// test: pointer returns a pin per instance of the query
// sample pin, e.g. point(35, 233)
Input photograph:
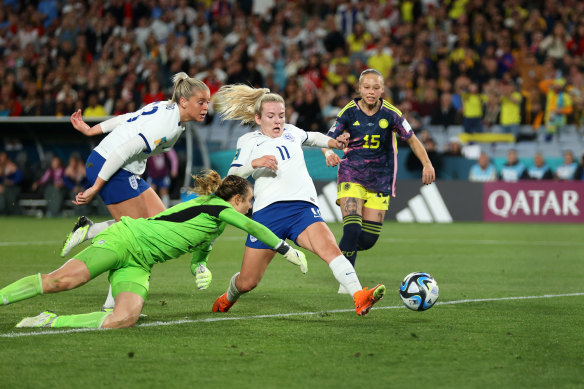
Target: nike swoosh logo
point(350, 273)
point(261, 143)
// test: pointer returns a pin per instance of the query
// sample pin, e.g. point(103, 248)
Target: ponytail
point(185, 86)
point(242, 102)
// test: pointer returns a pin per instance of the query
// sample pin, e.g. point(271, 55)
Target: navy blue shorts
point(122, 186)
point(163, 182)
point(286, 219)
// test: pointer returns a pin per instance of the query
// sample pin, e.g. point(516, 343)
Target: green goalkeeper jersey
point(191, 226)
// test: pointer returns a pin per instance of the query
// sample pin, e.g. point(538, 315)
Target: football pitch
point(510, 314)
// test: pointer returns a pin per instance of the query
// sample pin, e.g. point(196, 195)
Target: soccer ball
point(419, 291)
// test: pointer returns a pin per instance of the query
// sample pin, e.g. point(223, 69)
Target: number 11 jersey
point(291, 182)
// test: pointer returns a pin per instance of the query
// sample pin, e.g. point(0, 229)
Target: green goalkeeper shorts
point(125, 274)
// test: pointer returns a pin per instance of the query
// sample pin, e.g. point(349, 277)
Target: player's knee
point(246, 284)
point(367, 240)
point(121, 320)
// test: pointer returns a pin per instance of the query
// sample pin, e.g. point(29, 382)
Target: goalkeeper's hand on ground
point(203, 277)
point(292, 255)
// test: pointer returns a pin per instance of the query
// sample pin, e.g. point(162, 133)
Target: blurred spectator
point(558, 105)
point(579, 173)
point(313, 73)
point(533, 108)
point(555, 45)
point(380, 56)
point(454, 147)
point(513, 170)
point(510, 108)
point(567, 170)
point(252, 75)
point(54, 187)
point(358, 41)
point(75, 180)
point(50, 11)
point(160, 170)
point(340, 71)
point(9, 104)
point(483, 170)
point(334, 38)
point(472, 109)
point(379, 20)
point(48, 105)
point(539, 170)
point(66, 92)
point(576, 44)
point(109, 100)
point(309, 112)
point(445, 114)
point(428, 103)
point(530, 71)
point(492, 104)
point(153, 93)
point(10, 178)
point(94, 109)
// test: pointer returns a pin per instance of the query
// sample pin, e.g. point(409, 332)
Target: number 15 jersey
point(291, 182)
point(371, 156)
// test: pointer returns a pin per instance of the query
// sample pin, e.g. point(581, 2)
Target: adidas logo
point(427, 207)
point(356, 123)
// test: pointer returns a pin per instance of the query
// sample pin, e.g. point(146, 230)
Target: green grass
point(503, 343)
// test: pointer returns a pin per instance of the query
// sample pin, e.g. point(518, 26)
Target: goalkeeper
point(130, 248)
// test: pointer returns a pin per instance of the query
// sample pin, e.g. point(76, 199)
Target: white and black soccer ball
point(419, 291)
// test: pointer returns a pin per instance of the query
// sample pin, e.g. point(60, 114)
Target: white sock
point(232, 292)
point(96, 228)
point(165, 200)
point(345, 273)
point(109, 301)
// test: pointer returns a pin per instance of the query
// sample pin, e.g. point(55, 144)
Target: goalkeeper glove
point(292, 255)
point(203, 277)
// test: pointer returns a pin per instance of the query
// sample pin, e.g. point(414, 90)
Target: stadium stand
point(55, 57)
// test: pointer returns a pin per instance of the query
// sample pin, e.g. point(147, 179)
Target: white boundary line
point(276, 315)
point(390, 240)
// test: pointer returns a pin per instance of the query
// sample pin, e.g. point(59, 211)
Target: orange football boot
point(365, 298)
point(222, 304)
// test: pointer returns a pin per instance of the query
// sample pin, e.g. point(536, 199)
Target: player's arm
point(243, 165)
point(231, 216)
point(428, 173)
point(316, 139)
point(100, 128)
point(336, 132)
point(114, 162)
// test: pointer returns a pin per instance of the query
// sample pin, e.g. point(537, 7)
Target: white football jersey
point(159, 126)
point(291, 181)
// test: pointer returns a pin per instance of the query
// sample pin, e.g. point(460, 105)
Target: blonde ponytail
point(185, 86)
point(242, 102)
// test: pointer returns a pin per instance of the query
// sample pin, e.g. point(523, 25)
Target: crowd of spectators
point(464, 62)
point(481, 65)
